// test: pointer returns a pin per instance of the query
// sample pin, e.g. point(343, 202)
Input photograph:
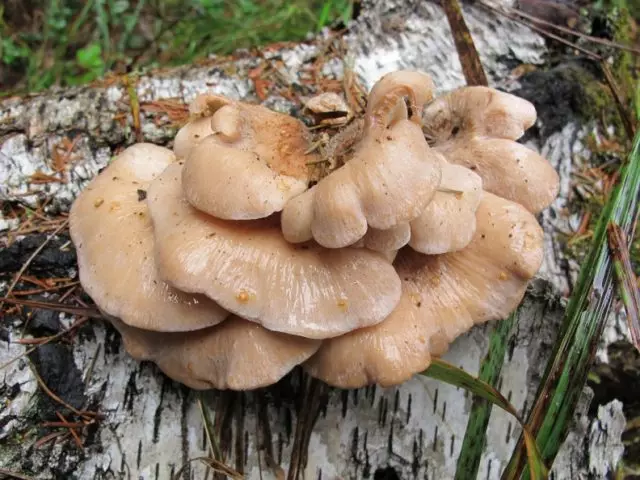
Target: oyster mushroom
point(236, 354)
point(251, 163)
point(249, 269)
point(475, 127)
point(448, 223)
point(201, 109)
point(443, 296)
point(389, 180)
point(111, 229)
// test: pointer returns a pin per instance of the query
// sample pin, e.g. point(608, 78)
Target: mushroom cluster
point(228, 263)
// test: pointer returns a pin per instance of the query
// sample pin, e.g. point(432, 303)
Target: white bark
point(153, 426)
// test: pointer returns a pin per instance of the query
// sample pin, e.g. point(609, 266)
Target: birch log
point(152, 426)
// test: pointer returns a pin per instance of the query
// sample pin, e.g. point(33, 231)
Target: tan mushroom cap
point(476, 127)
point(112, 231)
point(250, 269)
point(392, 239)
point(448, 223)
point(391, 177)
point(508, 169)
point(382, 104)
point(190, 136)
point(443, 296)
point(477, 110)
point(252, 163)
point(243, 187)
point(236, 354)
point(199, 127)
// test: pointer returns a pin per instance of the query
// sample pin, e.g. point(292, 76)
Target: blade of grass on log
point(476, 433)
point(445, 372)
point(585, 318)
point(626, 280)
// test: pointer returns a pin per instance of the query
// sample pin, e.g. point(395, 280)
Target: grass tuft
point(46, 43)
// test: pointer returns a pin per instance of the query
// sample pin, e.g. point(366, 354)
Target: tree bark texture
point(152, 426)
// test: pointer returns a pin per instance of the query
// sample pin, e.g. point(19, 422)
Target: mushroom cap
point(391, 177)
point(254, 162)
point(235, 184)
point(382, 104)
point(297, 216)
point(236, 354)
point(443, 296)
point(199, 127)
point(190, 136)
point(448, 222)
point(250, 269)
point(476, 127)
point(390, 240)
point(112, 231)
point(478, 110)
point(508, 169)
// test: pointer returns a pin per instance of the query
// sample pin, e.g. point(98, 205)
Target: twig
point(58, 307)
point(66, 424)
point(89, 373)
point(72, 430)
point(49, 339)
point(83, 414)
point(467, 52)
point(22, 293)
point(51, 436)
point(602, 41)
point(31, 258)
point(626, 279)
point(214, 448)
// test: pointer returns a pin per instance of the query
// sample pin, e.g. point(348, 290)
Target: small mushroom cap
point(112, 231)
point(297, 216)
point(390, 240)
point(245, 187)
point(250, 166)
point(443, 296)
point(250, 269)
point(448, 223)
point(190, 136)
point(236, 354)
point(476, 127)
point(199, 127)
point(382, 105)
point(480, 111)
point(508, 169)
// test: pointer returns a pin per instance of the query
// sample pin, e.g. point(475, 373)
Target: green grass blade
point(585, 318)
point(129, 24)
point(445, 372)
point(490, 368)
point(626, 280)
point(323, 17)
